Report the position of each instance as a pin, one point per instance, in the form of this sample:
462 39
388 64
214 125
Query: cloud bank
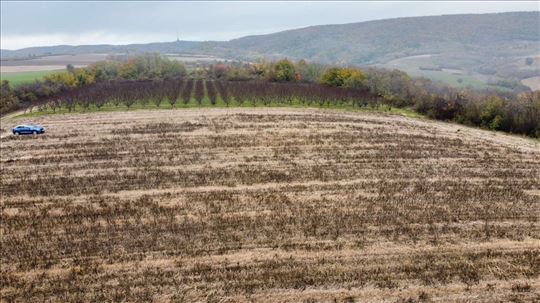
76 23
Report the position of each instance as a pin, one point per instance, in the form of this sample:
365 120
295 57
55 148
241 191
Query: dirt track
269 205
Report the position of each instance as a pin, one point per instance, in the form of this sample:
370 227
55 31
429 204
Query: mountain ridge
189 45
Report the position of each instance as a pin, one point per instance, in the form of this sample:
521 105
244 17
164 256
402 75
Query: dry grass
267 205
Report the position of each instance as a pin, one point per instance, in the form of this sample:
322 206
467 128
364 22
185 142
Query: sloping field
416 67
59 60
267 205
533 83
18 78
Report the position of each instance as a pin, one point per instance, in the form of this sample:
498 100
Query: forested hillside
383 40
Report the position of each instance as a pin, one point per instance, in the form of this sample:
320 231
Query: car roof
25 125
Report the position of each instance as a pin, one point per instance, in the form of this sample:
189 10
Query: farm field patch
267 205
428 67
16 78
533 83
28 70
61 60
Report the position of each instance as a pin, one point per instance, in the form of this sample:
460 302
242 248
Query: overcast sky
25 24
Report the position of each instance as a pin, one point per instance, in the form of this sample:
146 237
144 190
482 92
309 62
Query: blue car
28 129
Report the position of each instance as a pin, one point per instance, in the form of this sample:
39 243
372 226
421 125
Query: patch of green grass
463 80
412 65
109 107
19 78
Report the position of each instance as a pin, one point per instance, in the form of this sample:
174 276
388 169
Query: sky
44 23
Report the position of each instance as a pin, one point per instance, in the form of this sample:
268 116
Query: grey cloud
208 20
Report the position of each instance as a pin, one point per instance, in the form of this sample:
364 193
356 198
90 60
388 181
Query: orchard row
184 91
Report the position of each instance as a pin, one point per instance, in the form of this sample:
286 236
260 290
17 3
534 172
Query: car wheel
34 132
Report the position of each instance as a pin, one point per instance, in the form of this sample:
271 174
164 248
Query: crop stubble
267 205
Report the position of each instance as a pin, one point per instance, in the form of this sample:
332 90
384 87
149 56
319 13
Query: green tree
283 71
331 77
65 79
128 70
105 70
172 68
345 77
8 100
84 76
70 68
308 72
492 112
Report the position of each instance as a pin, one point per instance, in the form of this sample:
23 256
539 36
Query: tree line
515 112
277 82
149 66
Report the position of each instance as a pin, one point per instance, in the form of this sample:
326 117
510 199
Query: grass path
192 104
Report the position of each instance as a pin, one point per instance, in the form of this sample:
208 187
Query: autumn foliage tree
282 71
342 77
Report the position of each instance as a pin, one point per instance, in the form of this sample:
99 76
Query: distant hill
384 40
160 47
465 50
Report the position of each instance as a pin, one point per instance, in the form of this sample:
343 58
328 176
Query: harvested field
533 83
61 60
9 70
267 205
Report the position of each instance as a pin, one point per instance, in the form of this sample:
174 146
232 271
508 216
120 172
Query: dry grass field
267 205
